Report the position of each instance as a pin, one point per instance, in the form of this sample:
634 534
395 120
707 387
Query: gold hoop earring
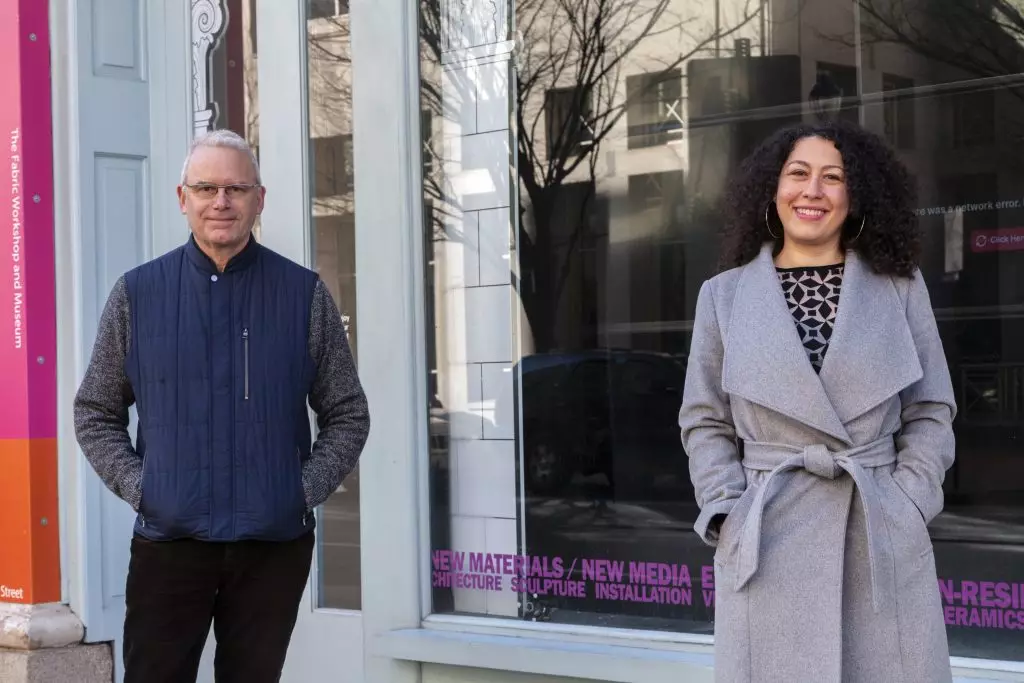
857 236
767 224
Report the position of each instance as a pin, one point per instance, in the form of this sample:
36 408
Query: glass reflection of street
339 547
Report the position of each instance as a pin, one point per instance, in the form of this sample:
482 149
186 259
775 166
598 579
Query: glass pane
564 256
971 190
946 90
225 92
333 224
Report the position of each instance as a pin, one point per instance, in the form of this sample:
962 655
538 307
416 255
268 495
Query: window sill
540 654
526 654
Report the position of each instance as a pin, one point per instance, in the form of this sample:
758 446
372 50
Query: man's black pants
249 590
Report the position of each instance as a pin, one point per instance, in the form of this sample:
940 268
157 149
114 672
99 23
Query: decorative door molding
207 27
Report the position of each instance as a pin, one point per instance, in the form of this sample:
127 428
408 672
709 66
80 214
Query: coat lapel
871 356
764 360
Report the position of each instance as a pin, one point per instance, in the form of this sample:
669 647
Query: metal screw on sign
32 37
44 521
36 198
40 360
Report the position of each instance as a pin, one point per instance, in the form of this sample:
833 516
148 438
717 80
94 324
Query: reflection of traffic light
832 84
826 97
732 100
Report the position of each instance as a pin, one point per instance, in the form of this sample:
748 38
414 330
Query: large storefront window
570 215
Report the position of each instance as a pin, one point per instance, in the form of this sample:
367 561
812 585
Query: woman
817 418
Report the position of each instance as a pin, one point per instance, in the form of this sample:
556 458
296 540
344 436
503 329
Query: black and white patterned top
813 298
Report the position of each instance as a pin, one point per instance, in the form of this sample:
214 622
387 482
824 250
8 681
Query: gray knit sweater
337 398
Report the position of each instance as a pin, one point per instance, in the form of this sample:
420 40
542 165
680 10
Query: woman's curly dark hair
879 186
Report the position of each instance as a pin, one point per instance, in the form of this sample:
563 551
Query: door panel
113 165
112 84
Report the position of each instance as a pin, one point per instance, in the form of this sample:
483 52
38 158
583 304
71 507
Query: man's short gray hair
221 138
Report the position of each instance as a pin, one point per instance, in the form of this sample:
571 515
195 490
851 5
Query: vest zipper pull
245 348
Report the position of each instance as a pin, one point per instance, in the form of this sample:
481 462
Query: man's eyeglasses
210 190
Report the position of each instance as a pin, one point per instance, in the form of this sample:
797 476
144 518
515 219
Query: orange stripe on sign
29 532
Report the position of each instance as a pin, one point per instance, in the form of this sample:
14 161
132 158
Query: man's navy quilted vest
221 369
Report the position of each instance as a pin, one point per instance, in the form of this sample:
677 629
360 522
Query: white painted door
111 76
251 62
139 78
340 153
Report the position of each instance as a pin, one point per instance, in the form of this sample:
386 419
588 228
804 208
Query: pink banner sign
28 333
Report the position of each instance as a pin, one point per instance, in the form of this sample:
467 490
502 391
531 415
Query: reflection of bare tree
332 197
329 55
583 49
981 37
330 68
330 114
433 104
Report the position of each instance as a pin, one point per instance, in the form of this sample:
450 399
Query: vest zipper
245 351
298 456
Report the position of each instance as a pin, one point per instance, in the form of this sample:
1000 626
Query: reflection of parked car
610 412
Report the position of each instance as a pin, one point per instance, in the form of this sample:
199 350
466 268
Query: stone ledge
36 627
75 664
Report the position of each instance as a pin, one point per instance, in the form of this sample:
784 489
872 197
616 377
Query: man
219 344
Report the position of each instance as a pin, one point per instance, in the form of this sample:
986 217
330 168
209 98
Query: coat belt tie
781 460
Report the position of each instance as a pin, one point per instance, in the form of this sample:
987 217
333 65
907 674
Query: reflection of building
727 95
940 119
721 93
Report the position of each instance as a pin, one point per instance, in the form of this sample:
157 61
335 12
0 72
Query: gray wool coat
824 569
